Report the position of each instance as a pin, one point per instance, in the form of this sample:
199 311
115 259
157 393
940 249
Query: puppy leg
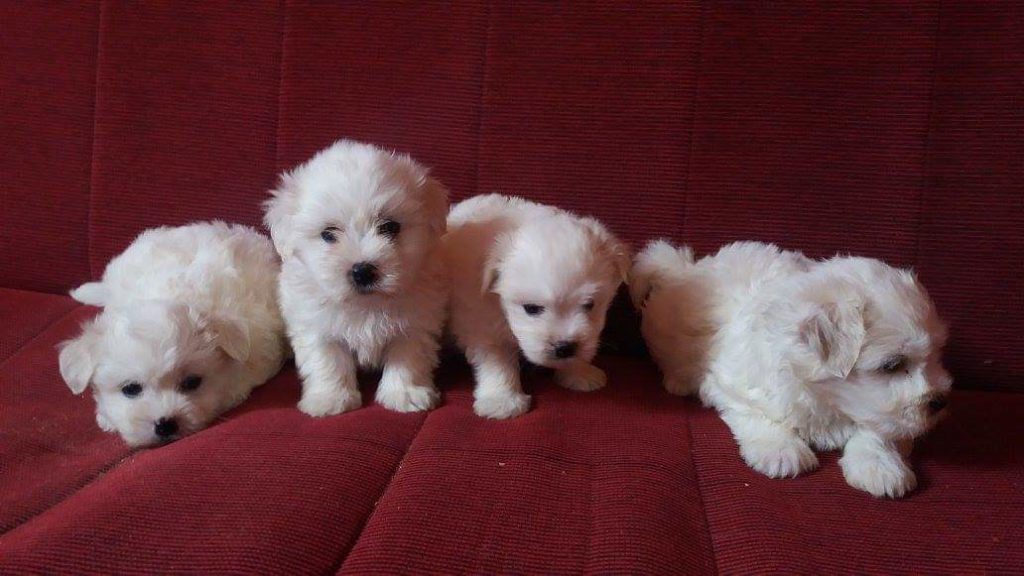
876 466
407 384
581 376
328 372
498 393
769 447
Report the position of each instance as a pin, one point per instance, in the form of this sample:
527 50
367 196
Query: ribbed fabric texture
893 130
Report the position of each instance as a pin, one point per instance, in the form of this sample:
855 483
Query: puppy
528 277
189 327
361 283
793 353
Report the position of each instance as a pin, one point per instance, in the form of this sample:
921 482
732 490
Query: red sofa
893 130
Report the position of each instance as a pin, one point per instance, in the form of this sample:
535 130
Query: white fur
789 350
334 328
503 252
197 300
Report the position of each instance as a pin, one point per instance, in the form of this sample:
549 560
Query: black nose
166 427
364 274
565 349
937 404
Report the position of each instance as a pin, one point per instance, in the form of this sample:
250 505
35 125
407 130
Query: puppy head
556 277
869 341
158 371
361 220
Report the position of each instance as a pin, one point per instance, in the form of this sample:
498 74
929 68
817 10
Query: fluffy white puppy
841 353
361 284
528 277
189 327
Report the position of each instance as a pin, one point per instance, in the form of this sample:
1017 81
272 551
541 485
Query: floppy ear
612 248
280 215
834 334
92 293
492 264
435 201
232 337
76 362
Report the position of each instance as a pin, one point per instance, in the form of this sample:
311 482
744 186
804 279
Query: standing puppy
842 353
528 277
361 284
189 327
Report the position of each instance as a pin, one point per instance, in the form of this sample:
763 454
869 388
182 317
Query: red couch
891 130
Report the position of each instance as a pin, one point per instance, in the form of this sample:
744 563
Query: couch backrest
891 131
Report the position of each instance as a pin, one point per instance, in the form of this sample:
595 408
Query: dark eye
330 235
588 305
389 228
894 364
190 383
533 309
131 389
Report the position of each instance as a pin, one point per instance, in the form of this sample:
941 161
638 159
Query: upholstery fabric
889 129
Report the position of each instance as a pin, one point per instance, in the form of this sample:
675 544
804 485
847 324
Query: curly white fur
195 301
841 353
528 277
339 210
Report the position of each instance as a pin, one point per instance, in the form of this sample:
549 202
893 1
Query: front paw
407 397
104 423
501 405
783 457
881 474
329 401
679 385
583 378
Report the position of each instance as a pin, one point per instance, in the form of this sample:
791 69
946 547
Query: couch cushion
24 315
965 517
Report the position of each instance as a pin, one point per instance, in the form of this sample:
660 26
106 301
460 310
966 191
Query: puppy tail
657 262
92 293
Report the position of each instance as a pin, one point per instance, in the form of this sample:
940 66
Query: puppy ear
92 293
834 334
435 202
225 333
76 362
492 264
612 248
280 215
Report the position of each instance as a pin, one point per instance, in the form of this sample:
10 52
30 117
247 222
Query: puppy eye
389 228
330 235
190 383
894 364
533 309
588 305
131 389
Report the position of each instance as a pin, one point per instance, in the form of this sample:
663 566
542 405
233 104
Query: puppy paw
330 401
583 378
501 406
104 423
882 474
782 457
678 385
407 397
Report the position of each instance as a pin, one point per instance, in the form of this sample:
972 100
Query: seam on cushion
43 330
95 122
339 564
687 188
700 493
283 25
927 165
486 57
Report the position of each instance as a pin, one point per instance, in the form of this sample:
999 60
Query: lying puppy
528 277
841 353
189 327
361 283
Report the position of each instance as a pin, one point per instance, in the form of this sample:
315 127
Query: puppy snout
165 428
565 349
364 275
937 404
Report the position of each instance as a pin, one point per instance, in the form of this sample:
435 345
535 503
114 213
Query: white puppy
840 353
534 278
190 326
361 284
